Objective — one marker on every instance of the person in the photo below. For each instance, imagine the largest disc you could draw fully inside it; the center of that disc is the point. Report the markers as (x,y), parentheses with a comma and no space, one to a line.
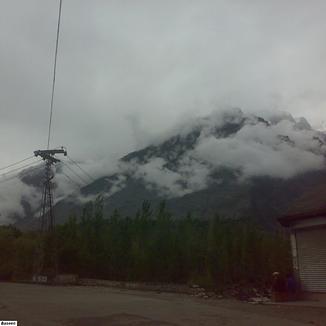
(291,286)
(278,287)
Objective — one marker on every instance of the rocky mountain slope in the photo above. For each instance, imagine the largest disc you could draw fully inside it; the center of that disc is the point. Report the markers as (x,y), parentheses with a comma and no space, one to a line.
(230,163)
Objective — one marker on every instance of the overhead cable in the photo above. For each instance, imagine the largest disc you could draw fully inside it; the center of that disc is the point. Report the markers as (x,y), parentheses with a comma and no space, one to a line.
(81,169)
(75,173)
(16,163)
(20,168)
(71,180)
(54,73)
(20,173)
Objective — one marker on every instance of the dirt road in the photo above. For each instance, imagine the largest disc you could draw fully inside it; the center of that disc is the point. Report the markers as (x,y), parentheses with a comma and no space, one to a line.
(36,305)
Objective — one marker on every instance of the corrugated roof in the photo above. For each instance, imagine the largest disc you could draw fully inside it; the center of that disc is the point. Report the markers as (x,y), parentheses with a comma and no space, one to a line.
(311,204)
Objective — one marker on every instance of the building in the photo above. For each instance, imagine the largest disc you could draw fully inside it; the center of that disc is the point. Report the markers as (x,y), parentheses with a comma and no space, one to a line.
(306,221)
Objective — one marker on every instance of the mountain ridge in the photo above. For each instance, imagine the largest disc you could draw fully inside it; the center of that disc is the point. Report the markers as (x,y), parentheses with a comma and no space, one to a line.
(230,163)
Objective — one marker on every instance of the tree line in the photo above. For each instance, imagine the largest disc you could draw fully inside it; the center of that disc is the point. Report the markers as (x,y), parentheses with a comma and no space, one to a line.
(153,246)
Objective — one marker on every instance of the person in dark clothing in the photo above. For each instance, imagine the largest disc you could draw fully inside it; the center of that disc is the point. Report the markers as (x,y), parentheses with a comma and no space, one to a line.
(291,286)
(278,284)
(278,287)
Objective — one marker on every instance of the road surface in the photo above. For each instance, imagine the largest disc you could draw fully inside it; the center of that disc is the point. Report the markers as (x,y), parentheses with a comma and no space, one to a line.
(40,305)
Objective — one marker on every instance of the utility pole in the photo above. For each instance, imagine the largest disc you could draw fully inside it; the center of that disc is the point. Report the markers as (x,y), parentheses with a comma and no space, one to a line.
(46,255)
(45,264)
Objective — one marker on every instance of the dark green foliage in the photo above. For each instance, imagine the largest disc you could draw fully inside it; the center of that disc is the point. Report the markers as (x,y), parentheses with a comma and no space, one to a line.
(16,253)
(155,247)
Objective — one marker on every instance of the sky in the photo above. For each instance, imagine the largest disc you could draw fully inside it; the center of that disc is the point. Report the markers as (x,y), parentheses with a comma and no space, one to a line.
(131,70)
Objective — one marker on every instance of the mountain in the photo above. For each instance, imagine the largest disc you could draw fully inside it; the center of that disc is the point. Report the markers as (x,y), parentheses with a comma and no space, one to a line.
(229,163)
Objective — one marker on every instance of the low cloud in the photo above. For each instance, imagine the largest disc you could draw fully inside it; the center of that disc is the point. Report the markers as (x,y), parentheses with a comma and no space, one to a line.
(278,146)
(191,176)
(279,150)
(11,199)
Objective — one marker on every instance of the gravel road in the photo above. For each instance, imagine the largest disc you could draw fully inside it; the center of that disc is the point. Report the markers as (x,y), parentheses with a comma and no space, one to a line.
(40,305)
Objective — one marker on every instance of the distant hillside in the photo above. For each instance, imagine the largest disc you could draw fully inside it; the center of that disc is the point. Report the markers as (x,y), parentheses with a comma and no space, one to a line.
(230,163)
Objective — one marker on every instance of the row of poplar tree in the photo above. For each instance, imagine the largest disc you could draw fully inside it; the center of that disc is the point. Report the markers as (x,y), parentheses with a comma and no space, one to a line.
(153,246)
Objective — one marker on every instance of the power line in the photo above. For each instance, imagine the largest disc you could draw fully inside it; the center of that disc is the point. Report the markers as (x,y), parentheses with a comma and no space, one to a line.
(74,172)
(54,73)
(71,180)
(10,178)
(20,168)
(13,164)
(20,173)
(81,169)
(38,166)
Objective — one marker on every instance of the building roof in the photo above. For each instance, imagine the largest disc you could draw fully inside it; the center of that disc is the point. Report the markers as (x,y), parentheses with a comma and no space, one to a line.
(288,220)
(311,204)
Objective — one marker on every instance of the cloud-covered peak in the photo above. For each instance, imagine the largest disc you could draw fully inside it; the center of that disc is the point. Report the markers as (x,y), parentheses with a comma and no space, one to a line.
(278,146)
(225,145)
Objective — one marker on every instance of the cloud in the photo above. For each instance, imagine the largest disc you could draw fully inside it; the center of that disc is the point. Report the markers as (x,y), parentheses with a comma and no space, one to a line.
(157,62)
(127,72)
(258,159)
(154,173)
(276,145)
(11,196)
(191,176)
(26,186)
(282,147)
(277,150)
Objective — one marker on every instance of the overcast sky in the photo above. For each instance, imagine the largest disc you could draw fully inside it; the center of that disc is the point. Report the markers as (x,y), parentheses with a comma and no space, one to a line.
(128,70)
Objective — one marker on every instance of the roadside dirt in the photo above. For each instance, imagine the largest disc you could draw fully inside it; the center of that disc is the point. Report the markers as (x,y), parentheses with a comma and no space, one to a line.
(38,305)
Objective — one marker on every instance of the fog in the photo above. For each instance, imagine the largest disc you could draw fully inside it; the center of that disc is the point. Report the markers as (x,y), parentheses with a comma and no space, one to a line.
(281,147)
(131,72)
